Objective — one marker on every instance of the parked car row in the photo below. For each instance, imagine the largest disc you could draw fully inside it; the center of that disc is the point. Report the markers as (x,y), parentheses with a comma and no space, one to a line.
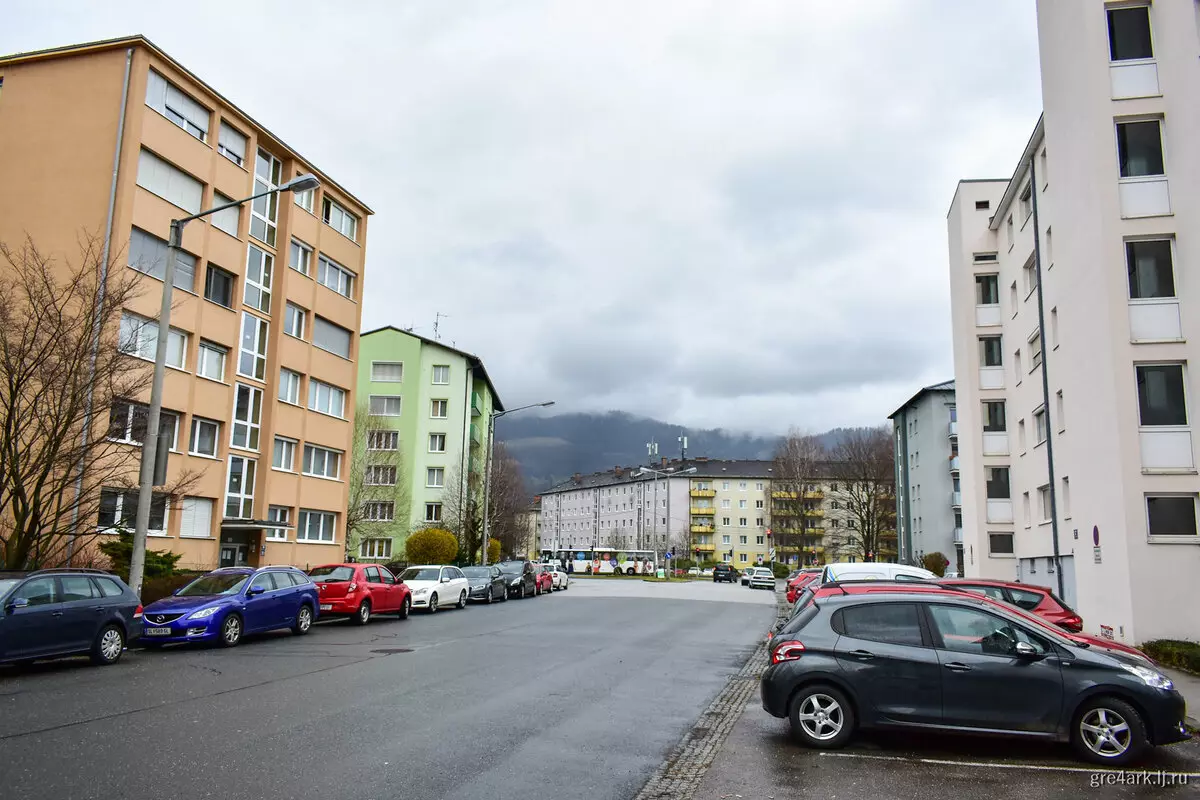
(867,649)
(65,612)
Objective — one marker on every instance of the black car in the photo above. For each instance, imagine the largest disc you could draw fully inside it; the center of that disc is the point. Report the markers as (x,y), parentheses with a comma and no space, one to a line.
(941,662)
(724,572)
(520,579)
(52,613)
(487,584)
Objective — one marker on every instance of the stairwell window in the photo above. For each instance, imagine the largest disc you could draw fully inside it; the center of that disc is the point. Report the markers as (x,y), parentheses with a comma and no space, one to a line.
(1035,351)
(990,351)
(265,210)
(437,442)
(252,358)
(1162,400)
(987,290)
(1129,34)
(1140,148)
(259,266)
(247,417)
(435,477)
(1151,269)
(1040,429)
(239,491)
(1000,544)
(994,417)
(997,484)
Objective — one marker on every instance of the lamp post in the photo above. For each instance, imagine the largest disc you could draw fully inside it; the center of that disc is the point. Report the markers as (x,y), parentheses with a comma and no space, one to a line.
(667,474)
(487,468)
(137,561)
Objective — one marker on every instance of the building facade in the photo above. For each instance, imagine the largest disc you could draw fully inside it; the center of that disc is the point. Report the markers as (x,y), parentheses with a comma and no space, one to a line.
(1099,215)
(115,139)
(428,407)
(928,493)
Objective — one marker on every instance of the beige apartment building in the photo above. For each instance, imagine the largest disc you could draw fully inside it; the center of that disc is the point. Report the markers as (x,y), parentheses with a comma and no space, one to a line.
(1111,167)
(116,139)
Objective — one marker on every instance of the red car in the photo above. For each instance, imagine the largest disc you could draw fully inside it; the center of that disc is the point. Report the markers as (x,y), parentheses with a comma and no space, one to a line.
(804,578)
(545,580)
(358,591)
(1035,599)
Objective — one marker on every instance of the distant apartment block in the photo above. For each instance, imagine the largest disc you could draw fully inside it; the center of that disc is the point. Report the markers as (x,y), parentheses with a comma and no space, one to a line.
(260,386)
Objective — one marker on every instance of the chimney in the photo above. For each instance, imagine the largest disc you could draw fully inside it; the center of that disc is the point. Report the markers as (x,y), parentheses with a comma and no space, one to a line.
(577,478)
(664,461)
(702,459)
(617,471)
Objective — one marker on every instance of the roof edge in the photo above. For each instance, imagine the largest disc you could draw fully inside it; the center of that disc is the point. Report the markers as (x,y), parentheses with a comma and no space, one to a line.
(475,361)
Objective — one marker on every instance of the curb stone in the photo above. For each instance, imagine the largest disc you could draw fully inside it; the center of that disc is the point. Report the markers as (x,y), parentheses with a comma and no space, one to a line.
(680,774)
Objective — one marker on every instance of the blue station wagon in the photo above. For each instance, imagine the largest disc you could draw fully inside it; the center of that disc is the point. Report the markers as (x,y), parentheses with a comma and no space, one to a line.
(227,603)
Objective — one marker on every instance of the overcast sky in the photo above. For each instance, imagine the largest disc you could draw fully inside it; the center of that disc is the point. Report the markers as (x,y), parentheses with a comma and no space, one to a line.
(719,214)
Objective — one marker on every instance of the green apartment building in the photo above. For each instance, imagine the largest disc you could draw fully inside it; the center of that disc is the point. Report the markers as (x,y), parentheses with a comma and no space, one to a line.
(424,445)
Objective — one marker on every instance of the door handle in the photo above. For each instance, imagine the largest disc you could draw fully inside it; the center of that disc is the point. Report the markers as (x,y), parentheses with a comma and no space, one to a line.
(57,614)
(955,666)
(865,655)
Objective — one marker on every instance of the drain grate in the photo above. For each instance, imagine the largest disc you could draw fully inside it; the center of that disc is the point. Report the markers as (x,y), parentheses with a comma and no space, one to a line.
(387,651)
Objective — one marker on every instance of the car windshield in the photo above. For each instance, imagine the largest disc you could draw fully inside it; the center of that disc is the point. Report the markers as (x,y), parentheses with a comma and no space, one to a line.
(208,585)
(513,567)
(1047,627)
(477,572)
(417,574)
(332,574)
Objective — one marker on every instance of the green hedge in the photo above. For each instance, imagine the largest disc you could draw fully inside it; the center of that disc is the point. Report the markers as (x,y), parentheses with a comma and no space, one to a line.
(780,569)
(1174,653)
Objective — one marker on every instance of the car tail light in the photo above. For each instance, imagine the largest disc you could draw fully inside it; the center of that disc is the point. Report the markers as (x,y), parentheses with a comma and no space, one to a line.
(1073,623)
(137,613)
(787,651)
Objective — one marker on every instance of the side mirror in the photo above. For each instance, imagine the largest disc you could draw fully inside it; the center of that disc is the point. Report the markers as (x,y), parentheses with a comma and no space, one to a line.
(18,602)
(254,590)
(1025,650)
(445,580)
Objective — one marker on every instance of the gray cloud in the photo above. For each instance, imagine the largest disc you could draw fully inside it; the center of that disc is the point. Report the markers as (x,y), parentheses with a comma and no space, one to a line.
(718,214)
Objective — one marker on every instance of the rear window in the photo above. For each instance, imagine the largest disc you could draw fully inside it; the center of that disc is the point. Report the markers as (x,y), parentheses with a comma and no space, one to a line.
(299,578)
(332,574)
(108,587)
(800,619)
(894,623)
(1026,599)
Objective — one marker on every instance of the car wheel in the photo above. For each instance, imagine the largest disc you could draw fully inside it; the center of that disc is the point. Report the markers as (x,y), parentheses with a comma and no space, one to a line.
(363,615)
(109,645)
(304,620)
(462,599)
(405,607)
(630,571)
(521,592)
(491,596)
(1109,731)
(433,604)
(231,631)
(822,717)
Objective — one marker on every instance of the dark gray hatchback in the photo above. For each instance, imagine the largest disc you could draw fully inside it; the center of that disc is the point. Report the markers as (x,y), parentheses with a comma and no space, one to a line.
(951,663)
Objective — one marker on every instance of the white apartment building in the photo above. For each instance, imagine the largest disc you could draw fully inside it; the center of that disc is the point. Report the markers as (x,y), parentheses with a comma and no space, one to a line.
(1116,232)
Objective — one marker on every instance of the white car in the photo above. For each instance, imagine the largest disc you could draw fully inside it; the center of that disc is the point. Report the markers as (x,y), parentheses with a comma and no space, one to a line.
(435,586)
(761,577)
(874,571)
(559,576)
(746,575)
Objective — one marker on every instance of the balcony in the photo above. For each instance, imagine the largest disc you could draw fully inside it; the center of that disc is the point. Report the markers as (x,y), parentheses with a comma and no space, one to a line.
(476,434)
(815,495)
(952,428)
(956,499)
(703,493)
(782,495)
(814,512)
(704,548)
(987,315)
(476,405)
(703,528)
(954,464)
(958,536)
(703,511)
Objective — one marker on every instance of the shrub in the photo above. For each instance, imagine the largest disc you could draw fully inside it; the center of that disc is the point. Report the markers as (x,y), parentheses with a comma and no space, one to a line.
(165,585)
(780,569)
(1174,653)
(935,563)
(159,563)
(431,546)
(493,551)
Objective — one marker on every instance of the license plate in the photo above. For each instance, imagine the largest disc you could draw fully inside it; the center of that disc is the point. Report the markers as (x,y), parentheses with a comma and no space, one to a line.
(156,631)
(327,606)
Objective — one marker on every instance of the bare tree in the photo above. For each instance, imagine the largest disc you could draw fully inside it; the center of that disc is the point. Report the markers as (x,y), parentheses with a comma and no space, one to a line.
(508,501)
(64,381)
(379,493)
(462,505)
(865,473)
(794,495)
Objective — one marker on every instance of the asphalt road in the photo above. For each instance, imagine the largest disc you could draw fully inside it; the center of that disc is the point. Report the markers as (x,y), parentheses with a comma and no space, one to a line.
(577,695)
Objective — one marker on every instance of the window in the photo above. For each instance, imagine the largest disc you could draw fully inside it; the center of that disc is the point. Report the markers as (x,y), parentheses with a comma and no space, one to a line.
(148,254)
(726,539)
(1039,424)
(987,290)
(334,276)
(1129,34)
(441,376)
(742,540)
(433,512)
(997,483)
(1014,298)
(725,521)
(280,515)
(384,405)
(1161,398)
(195,517)
(305,199)
(1171,515)
(1017,365)
(893,623)
(760,539)
(741,503)
(990,352)
(247,417)
(726,503)
(326,399)
(127,423)
(259,265)
(322,462)
(1021,434)
(265,210)
(139,338)
(983,205)
(985,258)
(210,361)
(387,371)
(231,143)
(1035,351)
(339,219)
(293,320)
(742,486)
(742,558)
(239,492)
(1008,229)
(383,440)
(165,98)
(435,477)
(118,509)
(289,386)
(380,475)
(228,219)
(300,257)
(1139,149)
(169,182)
(205,435)
(1058,399)
(439,409)
(331,338)
(1049,246)
(993,416)
(1026,202)
(1054,328)
(315,526)
(252,360)
(759,487)
(1029,272)
(218,286)
(725,486)
(437,442)
(758,504)
(741,522)
(285,454)
(1151,272)
(1044,502)
(967,630)
(376,548)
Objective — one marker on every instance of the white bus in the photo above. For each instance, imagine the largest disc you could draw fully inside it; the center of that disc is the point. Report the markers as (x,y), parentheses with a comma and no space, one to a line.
(603,561)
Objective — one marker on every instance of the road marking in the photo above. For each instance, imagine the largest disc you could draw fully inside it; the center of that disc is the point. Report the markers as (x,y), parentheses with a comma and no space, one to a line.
(995,764)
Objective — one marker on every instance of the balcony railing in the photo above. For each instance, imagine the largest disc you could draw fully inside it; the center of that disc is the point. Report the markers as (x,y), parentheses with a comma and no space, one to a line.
(703,511)
(958,536)
(476,405)
(703,528)
(814,495)
(952,428)
(956,498)
(476,434)
(704,492)
(782,495)
(814,512)
(704,548)
(954,463)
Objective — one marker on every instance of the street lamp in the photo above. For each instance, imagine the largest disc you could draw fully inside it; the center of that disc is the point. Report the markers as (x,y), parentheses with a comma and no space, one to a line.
(137,561)
(487,468)
(668,474)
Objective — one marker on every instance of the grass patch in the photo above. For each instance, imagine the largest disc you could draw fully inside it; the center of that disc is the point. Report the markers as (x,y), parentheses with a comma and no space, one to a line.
(669,580)
(1175,653)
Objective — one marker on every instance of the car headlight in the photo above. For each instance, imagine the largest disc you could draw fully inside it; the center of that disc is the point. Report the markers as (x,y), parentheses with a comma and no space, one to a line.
(515,582)
(1150,677)
(205,613)
(420,592)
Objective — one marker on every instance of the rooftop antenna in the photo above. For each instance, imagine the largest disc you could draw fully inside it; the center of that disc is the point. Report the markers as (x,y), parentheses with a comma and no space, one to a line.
(683,448)
(651,449)
(437,319)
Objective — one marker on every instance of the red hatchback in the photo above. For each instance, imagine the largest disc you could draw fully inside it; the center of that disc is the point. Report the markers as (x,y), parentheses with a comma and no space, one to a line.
(358,591)
(545,579)
(1034,599)
(797,584)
